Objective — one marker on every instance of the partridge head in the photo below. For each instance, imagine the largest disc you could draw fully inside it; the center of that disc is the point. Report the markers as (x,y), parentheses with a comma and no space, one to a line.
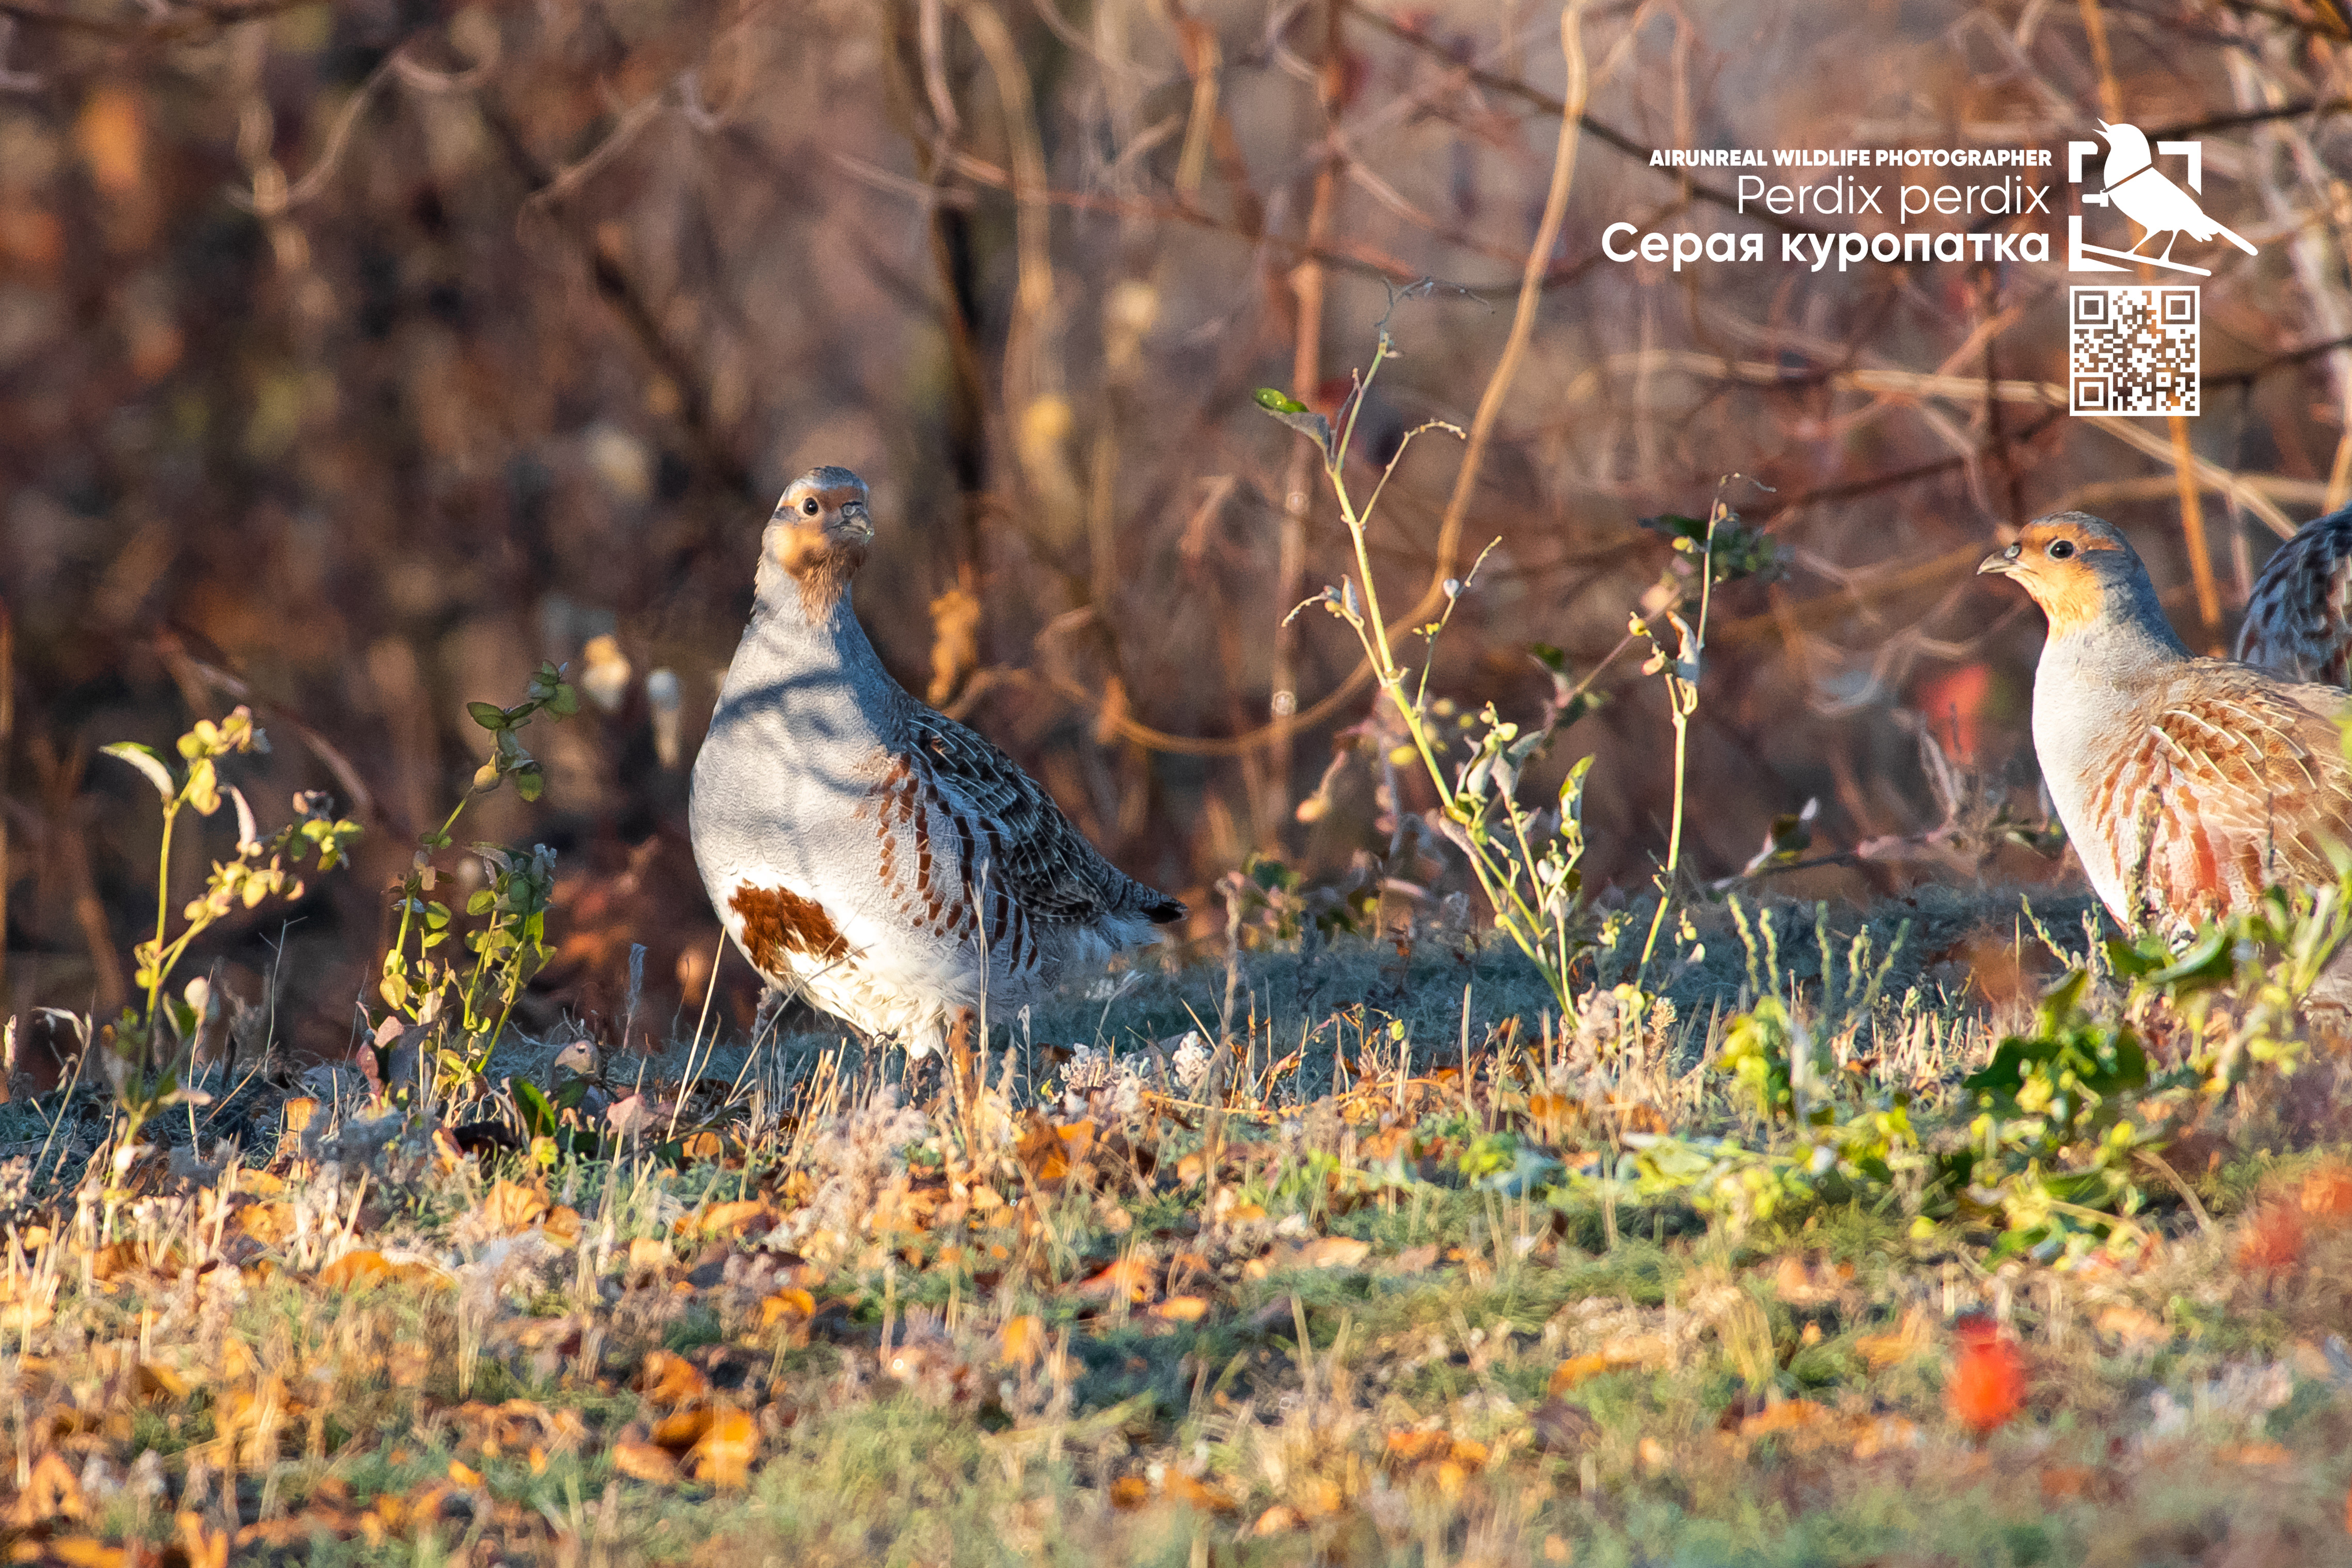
(818,537)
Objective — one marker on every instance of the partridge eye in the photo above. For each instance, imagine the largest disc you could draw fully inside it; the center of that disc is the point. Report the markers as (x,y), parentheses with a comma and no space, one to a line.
(2060,548)
(809,507)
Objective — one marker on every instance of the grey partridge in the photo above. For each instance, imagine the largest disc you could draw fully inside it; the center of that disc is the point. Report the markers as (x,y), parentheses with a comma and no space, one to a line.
(2188,785)
(866,850)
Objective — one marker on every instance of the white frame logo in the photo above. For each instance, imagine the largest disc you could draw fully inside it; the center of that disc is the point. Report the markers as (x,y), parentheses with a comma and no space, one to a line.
(2133,186)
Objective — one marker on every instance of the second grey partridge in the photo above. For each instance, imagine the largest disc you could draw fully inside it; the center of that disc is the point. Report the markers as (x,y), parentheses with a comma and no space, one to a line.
(2298,623)
(867,851)
(2188,785)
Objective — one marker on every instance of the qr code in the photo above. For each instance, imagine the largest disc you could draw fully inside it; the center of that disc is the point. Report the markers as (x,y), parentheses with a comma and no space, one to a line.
(2133,351)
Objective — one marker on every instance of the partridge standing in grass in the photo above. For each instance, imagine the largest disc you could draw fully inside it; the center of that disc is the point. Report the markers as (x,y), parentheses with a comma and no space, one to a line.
(2299,617)
(865,851)
(2188,785)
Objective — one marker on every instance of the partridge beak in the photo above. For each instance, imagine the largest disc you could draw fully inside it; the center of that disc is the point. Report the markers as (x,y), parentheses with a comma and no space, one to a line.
(857,520)
(2001,561)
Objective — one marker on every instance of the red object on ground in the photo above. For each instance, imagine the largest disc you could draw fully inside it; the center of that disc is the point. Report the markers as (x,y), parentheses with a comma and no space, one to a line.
(2273,1240)
(1987,1383)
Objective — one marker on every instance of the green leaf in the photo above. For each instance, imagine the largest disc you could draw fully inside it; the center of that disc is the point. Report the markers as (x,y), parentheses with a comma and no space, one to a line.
(143,758)
(530,781)
(538,1115)
(564,703)
(1274,402)
(480,903)
(490,716)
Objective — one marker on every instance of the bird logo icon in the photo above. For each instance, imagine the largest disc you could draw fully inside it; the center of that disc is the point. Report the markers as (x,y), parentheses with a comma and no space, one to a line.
(2132,184)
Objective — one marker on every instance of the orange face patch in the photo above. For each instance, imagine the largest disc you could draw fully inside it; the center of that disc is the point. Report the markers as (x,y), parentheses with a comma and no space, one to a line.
(2067,589)
(777,921)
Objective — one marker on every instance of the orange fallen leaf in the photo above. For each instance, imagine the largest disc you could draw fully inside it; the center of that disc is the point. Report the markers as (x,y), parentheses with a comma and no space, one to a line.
(726,1218)
(648,1254)
(791,1304)
(82,1552)
(1885,1435)
(668,1378)
(1130,1277)
(1414,1446)
(355,1270)
(1276,1521)
(563,1226)
(1193,1494)
(722,1456)
(1575,1369)
(2131,1325)
(1040,1151)
(702,1145)
(1129,1493)
(1788,1415)
(301,1111)
(2326,1194)
(207,1547)
(1913,1338)
(1182,1309)
(268,1223)
(1023,1340)
(682,1431)
(54,1492)
(158,1382)
(511,1208)
(464,1475)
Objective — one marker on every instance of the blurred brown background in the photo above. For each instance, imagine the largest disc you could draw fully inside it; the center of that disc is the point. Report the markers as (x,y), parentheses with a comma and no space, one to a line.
(357,357)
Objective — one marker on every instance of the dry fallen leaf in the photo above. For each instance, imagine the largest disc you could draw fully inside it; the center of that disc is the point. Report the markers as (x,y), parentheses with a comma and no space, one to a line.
(2133,1327)
(53,1492)
(668,1378)
(1911,1338)
(789,1306)
(562,1227)
(1192,1493)
(206,1546)
(749,1215)
(1182,1309)
(1575,1369)
(1788,1415)
(1129,1493)
(1023,1340)
(1334,1252)
(640,1461)
(355,1270)
(1276,1521)
(511,1208)
(722,1456)
(1130,1277)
